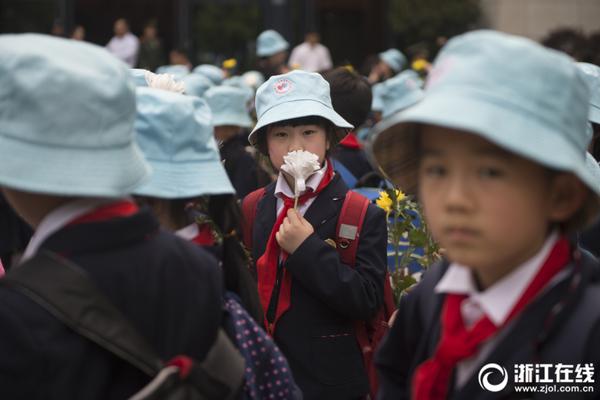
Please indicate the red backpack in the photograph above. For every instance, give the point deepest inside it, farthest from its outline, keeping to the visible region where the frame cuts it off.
(349, 225)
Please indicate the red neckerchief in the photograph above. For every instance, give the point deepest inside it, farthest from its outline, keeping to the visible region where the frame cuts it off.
(266, 265)
(350, 141)
(204, 236)
(432, 377)
(121, 208)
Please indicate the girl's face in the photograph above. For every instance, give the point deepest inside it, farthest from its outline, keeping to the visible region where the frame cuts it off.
(488, 208)
(283, 139)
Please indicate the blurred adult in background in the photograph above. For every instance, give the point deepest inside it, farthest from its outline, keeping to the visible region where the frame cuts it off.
(151, 55)
(311, 55)
(78, 33)
(271, 50)
(124, 45)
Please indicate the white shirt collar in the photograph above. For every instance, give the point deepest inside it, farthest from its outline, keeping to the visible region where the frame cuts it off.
(59, 217)
(312, 182)
(498, 300)
(189, 232)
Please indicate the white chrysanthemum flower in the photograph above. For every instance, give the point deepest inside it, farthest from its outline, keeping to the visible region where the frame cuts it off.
(300, 165)
(164, 82)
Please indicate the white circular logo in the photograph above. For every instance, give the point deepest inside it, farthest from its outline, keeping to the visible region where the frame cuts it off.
(484, 374)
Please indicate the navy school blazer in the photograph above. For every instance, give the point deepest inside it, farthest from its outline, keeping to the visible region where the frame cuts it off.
(169, 289)
(570, 337)
(316, 334)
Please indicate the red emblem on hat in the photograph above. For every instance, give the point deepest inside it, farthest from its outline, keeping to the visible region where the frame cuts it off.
(283, 86)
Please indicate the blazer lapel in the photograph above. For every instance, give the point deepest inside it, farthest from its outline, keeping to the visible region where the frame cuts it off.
(327, 204)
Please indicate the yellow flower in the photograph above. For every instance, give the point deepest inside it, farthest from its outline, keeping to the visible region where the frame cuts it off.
(230, 63)
(384, 201)
(399, 195)
(420, 65)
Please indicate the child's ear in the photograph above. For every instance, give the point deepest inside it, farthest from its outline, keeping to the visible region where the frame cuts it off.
(568, 194)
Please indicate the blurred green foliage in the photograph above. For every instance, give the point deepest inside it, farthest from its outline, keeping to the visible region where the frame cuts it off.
(422, 21)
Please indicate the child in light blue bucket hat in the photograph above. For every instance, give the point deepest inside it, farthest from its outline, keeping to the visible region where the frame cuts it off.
(391, 62)
(271, 49)
(68, 164)
(498, 149)
(229, 106)
(312, 296)
(400, 92)
(212, 72)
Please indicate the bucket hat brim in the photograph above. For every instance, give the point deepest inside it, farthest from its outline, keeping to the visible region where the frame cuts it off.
(66, 171)
(184, 180)
(300, 109)
(393, 142)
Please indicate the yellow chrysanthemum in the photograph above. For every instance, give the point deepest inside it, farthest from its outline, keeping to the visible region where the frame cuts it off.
(420, 65)
(384, 201)
(400, 195)
(230, 63)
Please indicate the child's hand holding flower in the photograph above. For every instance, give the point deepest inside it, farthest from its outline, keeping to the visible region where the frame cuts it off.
(293, 231)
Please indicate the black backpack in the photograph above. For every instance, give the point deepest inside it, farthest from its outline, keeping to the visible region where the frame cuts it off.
(64, 290)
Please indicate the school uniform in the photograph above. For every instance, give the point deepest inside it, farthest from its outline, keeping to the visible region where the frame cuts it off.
(170, 290)
(533, 336)
(316, 333)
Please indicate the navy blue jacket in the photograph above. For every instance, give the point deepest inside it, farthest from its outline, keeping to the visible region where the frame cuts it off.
(169, 289)
(316, 334)
(571, 336)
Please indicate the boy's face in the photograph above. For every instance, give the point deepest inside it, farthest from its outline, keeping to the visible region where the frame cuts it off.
(283, 139)
(488, 208)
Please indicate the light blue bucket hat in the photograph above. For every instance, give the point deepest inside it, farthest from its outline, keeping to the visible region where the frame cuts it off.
(253, 79)
(178, 71)
(176, 136)
(592, 76)
(196, 84)
(212, 72)
(229, 106)
(138, 76)
(66, 119)
(377, 91)
(394, 59)
(270, 42)
(400, 92)
(294, 95)
(535, 106)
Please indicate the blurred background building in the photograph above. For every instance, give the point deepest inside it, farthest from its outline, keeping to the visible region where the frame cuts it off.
(214, 30)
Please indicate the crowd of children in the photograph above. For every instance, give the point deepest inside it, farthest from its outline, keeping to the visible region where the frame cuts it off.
(175, 255)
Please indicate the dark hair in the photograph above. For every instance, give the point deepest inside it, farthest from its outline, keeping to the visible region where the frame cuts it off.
(261, 135)
(350, 95)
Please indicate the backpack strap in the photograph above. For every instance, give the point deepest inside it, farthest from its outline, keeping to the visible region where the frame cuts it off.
(349, 225)
(249, 205)
(64, 290)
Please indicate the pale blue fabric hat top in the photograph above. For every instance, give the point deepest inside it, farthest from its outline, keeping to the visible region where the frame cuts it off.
(212, 72)
(394, 59)
(270, 42)
(253, 79)
(176, 136)
(139, 76)
(592, 76)
(238, 82)
(229, 106)
(66, 119)
(196, 84)
(400, 92)
(178, 71)
(525, 98)
(294, 95)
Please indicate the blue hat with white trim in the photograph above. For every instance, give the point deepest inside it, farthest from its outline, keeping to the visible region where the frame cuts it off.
(67, 110)
(176, 136)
